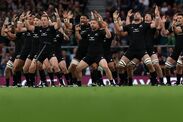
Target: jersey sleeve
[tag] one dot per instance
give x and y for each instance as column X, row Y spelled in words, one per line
column 126, row 28
column 36, row 30
column 147, row 25
column 170, row 29
column 102, row 33
column 52, row 30
column 84, row 33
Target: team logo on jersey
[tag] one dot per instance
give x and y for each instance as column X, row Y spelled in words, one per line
column 82, row 32
column 136, row 30
column 57, row 35
column 92, row 39
column 36, row 36
column 96, row 34
column 28, row 34
column 54, row 40
column 140, row 26
column 44, row 34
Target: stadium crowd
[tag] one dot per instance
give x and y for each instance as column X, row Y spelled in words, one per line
column 77, row 9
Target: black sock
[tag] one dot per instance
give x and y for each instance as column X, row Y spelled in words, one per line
column 168, row 80
column 130, row 81
column 51, row 76
column 14, row 79
column 32, row 79
column 79, row 83
column 7, row 82
column 94, row 76
column 123, row 78
column 115, row 76
column 178, row 78
column 161, row 80
column 112, row 83
column 59, row 76
column 74, row 80
column 27, row 78
column 19, row 77
column 153, row 78
column 68, row 78
column 100, row 79
column 71, row 79
column 43, row 76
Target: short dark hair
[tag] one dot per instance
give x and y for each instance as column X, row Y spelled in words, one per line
column 44, row 15
column 85, row 16
column 180, row 14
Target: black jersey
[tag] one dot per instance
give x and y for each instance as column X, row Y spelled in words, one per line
column 178, row 38
column 136, row 35
column 57, row 41
column 95, row 42
column 47, row 34
column 35, row 39
column 83, row 43
column 149, row 37
column 28, row 40
column 107, row 45
column 19, row 41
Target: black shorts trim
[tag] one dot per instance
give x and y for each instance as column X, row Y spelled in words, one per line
column 92, row 59
column 131, row 54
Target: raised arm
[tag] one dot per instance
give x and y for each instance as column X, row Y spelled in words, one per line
column 128, row 17
column 118, row 24
column 58, row 23
column 164, row 31
column 77, row 32
column 27, row 23
column 67, row 16
column 157, row 21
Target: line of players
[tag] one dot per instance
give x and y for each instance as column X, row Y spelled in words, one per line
column 38, row 46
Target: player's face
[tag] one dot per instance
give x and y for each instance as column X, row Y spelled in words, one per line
column 137, row 16
column 20, row 25
column 31, row 20
column 36, row 22
column 94, row 24
column 179, row 19
column 83, row 20
column 44, row 21
column 148, row 17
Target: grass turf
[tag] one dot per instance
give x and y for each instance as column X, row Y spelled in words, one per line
column 109, row 104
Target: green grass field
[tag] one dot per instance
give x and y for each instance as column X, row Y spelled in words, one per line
column 109, row 104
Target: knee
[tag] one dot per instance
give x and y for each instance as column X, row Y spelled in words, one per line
column 78, row 69
column 64, row 70
column 156, row 66
column 150, row 66
column 15, row 68
column 32, row 68
column 56, row 68
column 179, row 68
column 106, row 68
column 112, row 67
column 25, row 69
